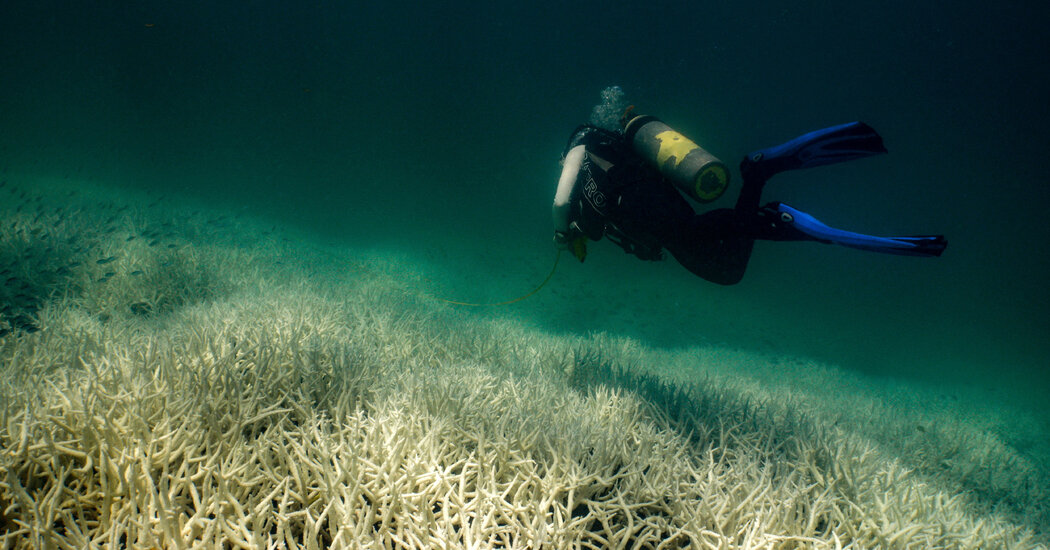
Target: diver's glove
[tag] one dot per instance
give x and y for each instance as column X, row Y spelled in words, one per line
column 573, row 241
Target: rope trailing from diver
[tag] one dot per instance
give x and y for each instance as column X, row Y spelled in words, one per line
column 508, row 302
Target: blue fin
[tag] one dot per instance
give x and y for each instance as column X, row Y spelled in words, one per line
column 918, row 245
column 840, row 143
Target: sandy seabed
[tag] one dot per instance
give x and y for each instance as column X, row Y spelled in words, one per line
column 176, row 377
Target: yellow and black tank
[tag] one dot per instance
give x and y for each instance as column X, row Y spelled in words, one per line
column 688, row 166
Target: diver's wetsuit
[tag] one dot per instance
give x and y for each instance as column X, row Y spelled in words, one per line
column 616, row 193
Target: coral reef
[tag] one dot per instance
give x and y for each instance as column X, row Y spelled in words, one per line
column 248, row 391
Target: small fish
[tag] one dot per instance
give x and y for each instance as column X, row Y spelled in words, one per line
column 173, row 246
column 106, row 260
column 137, row 272
column 109, row 274
column 141, row 308
column 102, row 279
column 154, row 242
column 129, row 239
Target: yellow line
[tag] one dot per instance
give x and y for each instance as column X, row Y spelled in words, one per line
column 518, row 299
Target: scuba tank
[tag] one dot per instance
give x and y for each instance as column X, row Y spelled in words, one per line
column 689, row 167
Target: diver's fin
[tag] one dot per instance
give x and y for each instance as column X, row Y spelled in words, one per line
column 919, row 245
column 840, row 143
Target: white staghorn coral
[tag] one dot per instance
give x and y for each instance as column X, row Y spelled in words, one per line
column 276, row 410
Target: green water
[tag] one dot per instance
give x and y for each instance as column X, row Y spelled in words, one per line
column 437, row 130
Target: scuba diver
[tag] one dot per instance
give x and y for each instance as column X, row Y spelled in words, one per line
column 626, row 184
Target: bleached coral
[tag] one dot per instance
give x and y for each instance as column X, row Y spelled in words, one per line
column 277, row 410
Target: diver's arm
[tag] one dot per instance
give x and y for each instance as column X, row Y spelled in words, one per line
column 569, row 171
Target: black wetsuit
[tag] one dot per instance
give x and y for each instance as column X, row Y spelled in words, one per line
column 637, row 208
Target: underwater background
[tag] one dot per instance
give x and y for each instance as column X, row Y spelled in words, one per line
column 438, row 128
column 433, row 132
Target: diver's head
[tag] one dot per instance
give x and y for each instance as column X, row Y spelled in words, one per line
column 607, row 114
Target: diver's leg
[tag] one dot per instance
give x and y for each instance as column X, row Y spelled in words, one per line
column 750, row 197
column 709, row 245
column 717, row 245
column 777, row 221
column 713, row 246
